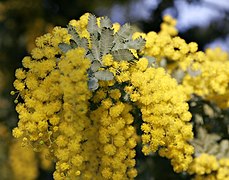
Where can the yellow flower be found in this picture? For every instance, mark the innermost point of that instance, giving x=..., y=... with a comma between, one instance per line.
x=109, y=149
x=204, y=164
x=193, y=47
x=116, y=27
x=107, y=60
x=142, y=64
x=19, y=85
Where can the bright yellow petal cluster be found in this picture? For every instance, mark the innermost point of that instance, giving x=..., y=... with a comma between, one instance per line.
x=201, y=73
x=116, y=137
x=204, y=164
x=74, y=120
x=209, y=167
x=51, y=78
x=92, y=135
x=164, y=113
x=81, y=26
x=209, y=78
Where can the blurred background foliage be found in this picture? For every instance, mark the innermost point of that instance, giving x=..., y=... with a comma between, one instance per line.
x=21, y=21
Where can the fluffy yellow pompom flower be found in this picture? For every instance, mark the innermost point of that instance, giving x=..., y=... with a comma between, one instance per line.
x=208, y=166
x=165, y=114
x=84, y=95
x=204, y=164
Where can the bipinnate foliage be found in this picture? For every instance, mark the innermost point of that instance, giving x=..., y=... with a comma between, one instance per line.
x=210, y=143
x=103, y=40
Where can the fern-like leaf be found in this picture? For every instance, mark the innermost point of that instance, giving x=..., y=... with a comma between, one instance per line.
x=64, y=47
x=105, y=22
x=95, y=66
x=95, y=49
x=84, y=43
x=137, y=44
x=122, y=54
x=205, y=143
x=93, y=84
x=106, y=41
x=104, y=75
x=73, y=44
x=118, y=44
x=125, y=31
x=74, y=34
x=92, y=26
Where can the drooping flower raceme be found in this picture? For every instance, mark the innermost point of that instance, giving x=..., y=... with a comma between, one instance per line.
x=164, y=114
x=79, y=92
x=201, y=73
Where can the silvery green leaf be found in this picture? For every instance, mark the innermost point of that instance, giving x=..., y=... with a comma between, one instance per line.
x=118, y=45
x=123, y=37
x=92, y=26
x=95, y=66
x=64, y=47
x=105, y=22
x=122, y=54
x=73, y=44
x=208, y=110
x=205, y=143
x=124, y=34
x=141, y=43
x=137, y=44
x=125, y=31
x=106, y=41
x=104, y=75
x=224, y=145
x=95, y=49
x=213, y=149
x=223, y=150
x=93, y=84
x=179, y=75
x=90, y=56
x=74, y=34
x=84, y=43
x=163, y=63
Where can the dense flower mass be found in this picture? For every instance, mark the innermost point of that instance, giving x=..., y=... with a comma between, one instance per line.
x=209, y=167
x=90, y=93
x=164, y=113
x=201, y=73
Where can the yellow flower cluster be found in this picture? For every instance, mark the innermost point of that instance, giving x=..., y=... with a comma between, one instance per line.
x=119, y=69
x=45, y=160
x=38, y=85
x=166, y=44
x=205, y=73
x=210, y=77
x=92, y=135
x=116, y=137
x=81, y=26
x=204, y=164
x=209, y=167
x=116, y=134
x=164, y=113
x=48, y=79
x=73, y=119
